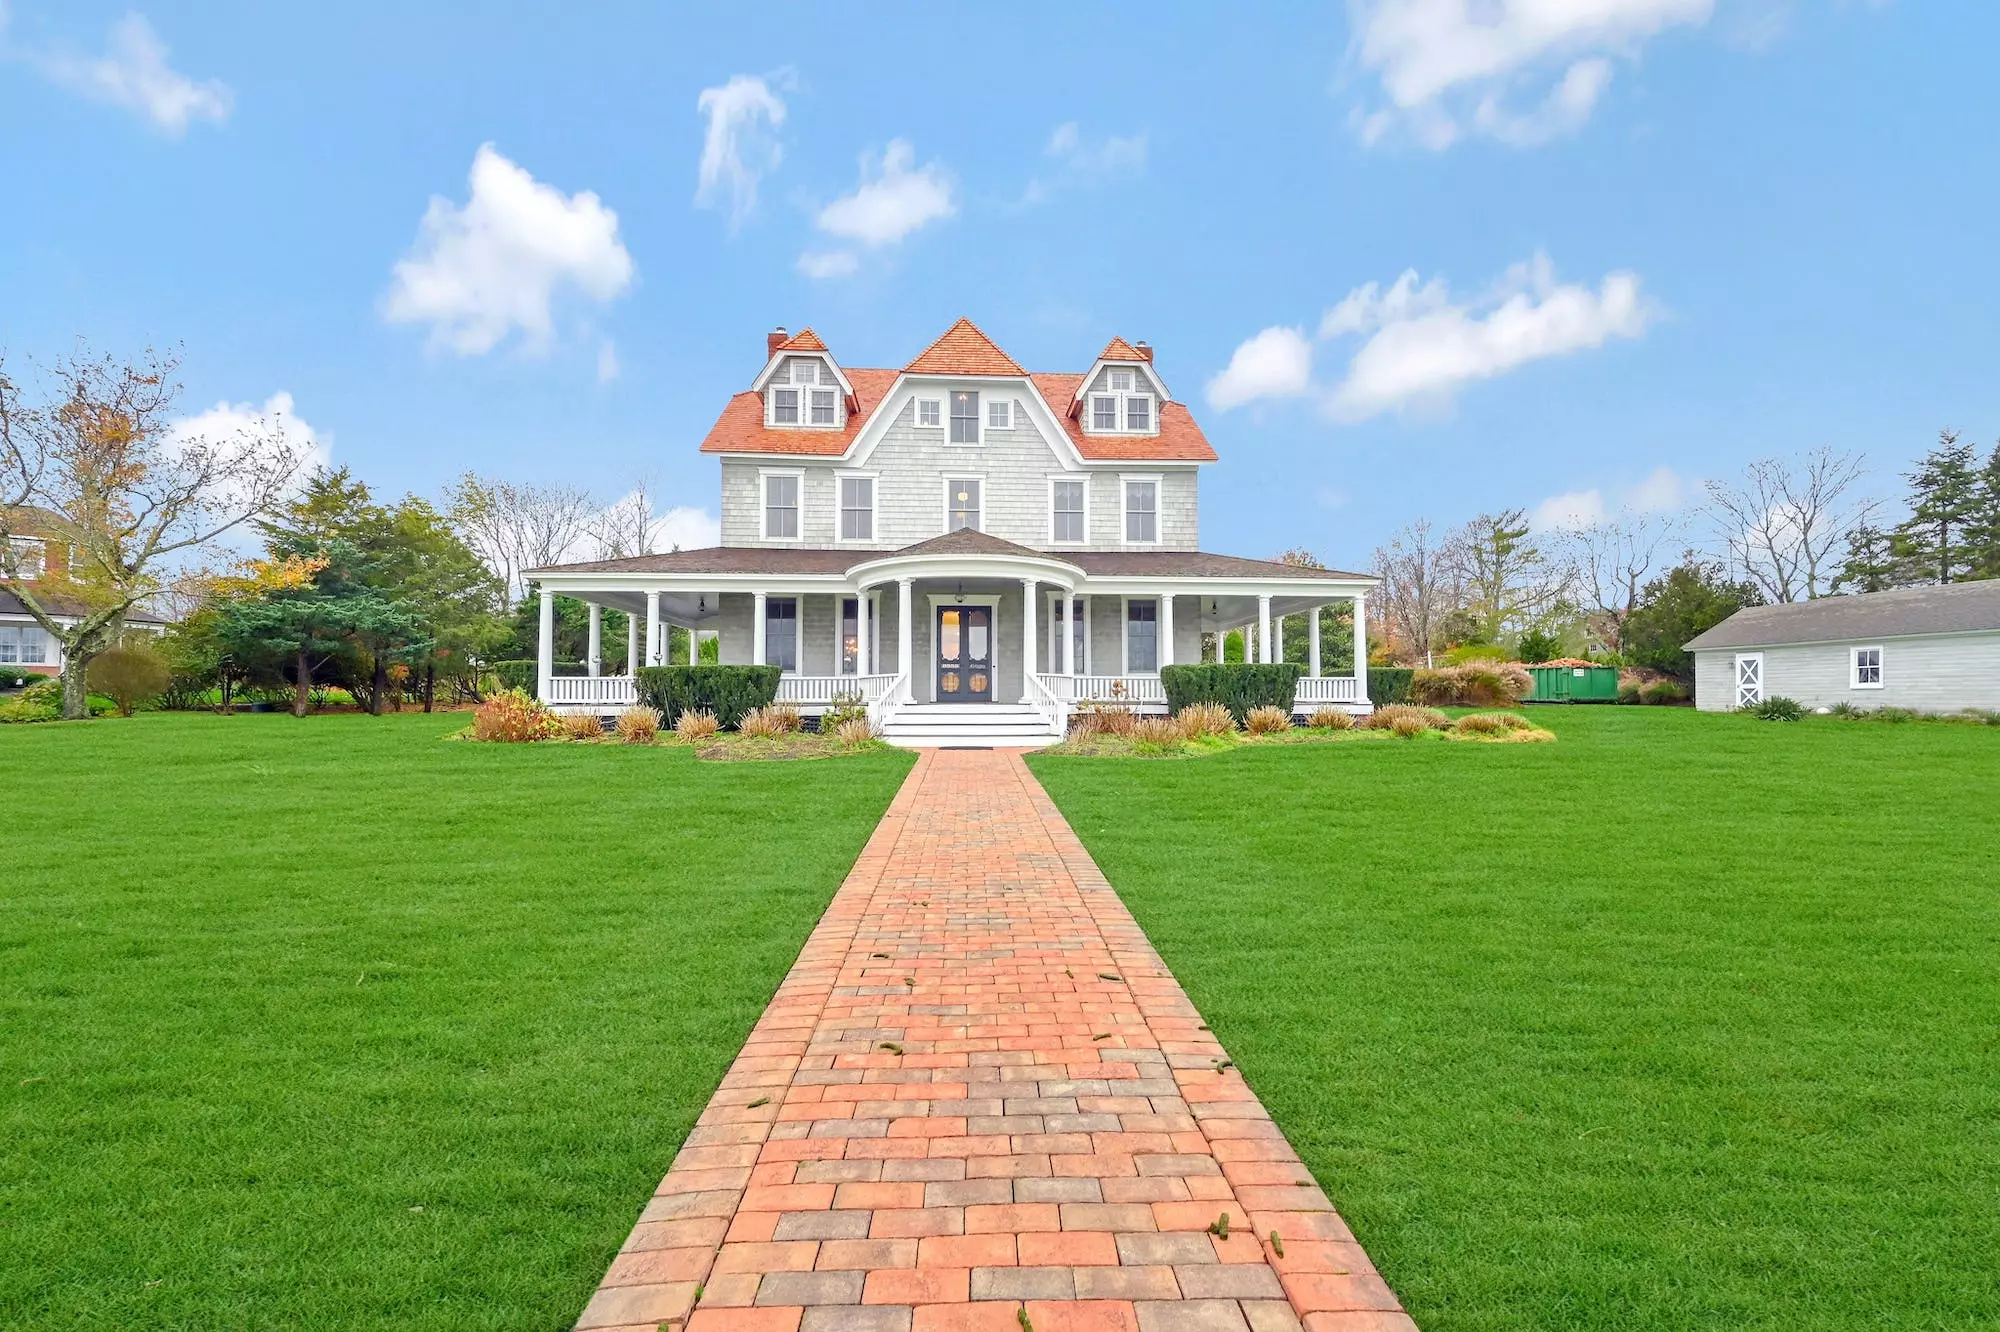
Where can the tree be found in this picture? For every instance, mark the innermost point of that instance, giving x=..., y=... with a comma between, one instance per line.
x=1421, y=581
x=1945, y=512
x=1509, y=583
x=1984, y=535
x=1336, y=624
x=1784, y=522
x=1872, y=564
x=131, y=496
x=1687, y=600
x=1612, y=560
x=517, y=528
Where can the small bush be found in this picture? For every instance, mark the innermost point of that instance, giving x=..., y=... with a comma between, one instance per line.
x=580, y=726
x=1628, y=693
x=786, y=718
x=845, y=707
x=1101, y=720
x=639, y=725
x=1267, y=721
x=1331, y=719
x=694, y=726
x=1477, y=683
x=1513, y=721
x=855, y=732
x=763, y=723
x=1237, y=687
x=1892, y=715
x=1777, y=708
x=1537, y=646
x=1409, y=728
x=129, y=674
x=1389, y=684
x=1663, y=693
x=1205, y=719
x=1385, y=719
x=1846, y=711
x=1159, y=732
x=511, y=717
x=727, y=691
x=1481, y=723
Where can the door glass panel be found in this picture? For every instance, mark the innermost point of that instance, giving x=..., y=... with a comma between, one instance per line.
x=976, y=634
x=948, y=636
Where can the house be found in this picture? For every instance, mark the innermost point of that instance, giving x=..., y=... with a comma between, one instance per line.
x=1930, y=649
x=42, y=553
x=971, y=549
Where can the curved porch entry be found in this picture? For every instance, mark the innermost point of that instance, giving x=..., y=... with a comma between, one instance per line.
x=965, y=662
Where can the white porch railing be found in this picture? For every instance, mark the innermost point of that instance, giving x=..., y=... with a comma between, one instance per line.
x=1045, y=700
x=612, y=691
x=823, y=689
x=1317, y=689
x=1137, y=691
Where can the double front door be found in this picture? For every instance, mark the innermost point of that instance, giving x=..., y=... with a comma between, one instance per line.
x=965, y=654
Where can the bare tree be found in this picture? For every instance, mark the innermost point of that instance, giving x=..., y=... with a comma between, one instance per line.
x=1510, y=582
x=1613, y=559
x=1422, y=582
x=1783, y=525
x=628, y=526
x=100, y=463
x=518, y=528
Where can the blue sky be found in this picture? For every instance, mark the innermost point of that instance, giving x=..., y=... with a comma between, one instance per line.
x=1644, y=234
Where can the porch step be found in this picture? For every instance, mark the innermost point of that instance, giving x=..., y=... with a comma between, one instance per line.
x=967, y=725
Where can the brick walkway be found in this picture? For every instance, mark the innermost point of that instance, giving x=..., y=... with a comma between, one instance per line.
x=978, y=1096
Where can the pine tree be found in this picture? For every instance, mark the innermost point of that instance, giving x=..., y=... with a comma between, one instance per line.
x=1871, y=565
x=1945, y=505
x=1983, y=535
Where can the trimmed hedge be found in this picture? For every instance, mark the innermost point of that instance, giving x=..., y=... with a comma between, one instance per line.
x=1236, y=686
x=1389, y=684
x=727, y=691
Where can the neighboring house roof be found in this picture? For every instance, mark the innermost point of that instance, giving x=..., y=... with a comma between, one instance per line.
x=33, y=520
x=962, y=350
x=1947, y=609
x=66, y=607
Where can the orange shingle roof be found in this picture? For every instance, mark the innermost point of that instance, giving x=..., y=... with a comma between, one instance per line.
x=1120, y=350
x=803, y=340
x=741, y=428
x=1179, y=440
x=963, y=350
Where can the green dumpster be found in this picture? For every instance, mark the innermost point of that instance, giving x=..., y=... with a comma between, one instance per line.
x=1574, y=684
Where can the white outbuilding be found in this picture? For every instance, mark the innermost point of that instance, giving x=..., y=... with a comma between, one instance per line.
x=1930, y=649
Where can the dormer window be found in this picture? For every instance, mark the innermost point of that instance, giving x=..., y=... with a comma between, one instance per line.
x=825, y=411
x=28, y=555
x=1103, y=412
x=1138, y=412
x=1123, y=403
x=785, y=406
x=804, y=392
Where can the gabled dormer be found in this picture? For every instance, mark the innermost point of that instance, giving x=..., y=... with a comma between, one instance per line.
x=1122, y=393
x=802, y=386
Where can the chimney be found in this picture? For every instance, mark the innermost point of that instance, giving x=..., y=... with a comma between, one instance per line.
x=1145, y=349
x=774, y=340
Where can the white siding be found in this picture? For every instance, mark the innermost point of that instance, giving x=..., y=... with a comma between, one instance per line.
x=1939, y=674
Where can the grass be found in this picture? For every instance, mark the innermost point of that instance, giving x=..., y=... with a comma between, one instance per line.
x=1685, y=1022
x=329, y=1024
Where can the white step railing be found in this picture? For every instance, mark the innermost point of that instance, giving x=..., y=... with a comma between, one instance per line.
x=1047, y=702
x=1131, y=690
x=611, y=691
x=1317, y=689
x=890, y=693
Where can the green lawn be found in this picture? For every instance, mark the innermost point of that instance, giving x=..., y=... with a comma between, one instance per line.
x=1686, y=1021
x=333, y=1024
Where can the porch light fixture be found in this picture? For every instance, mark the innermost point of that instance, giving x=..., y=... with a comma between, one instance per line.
x=959, y=597
x=703, y=608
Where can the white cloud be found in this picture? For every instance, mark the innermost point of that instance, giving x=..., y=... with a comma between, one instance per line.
x=1661, y=491
x=740, y=147
x=1572, y=509
x=1075, y=160
x=607, y=362
x=894, y=199
x=1277, y=363
x=828, y=263
x=1446, y=66
x=133, y=73
x=687, y=528
x=1421, y=347
x=227, y=422
x=478, y=272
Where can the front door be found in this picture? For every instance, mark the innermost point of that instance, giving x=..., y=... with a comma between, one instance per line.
x=965, y=654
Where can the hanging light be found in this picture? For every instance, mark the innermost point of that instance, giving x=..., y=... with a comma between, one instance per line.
x=704, y=603
x=960, y=596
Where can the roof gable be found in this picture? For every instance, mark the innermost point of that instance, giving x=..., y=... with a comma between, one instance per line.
x=963, y=350
x=1120, y=350
x=803, y=340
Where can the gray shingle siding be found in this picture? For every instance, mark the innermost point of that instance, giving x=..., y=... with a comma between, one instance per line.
x=1943, y=673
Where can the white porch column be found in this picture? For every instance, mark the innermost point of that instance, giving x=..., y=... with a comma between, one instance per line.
x=1027, y=638
x=631, y=643
x=757, y=628
x=905, y=658
x=694, y=646
x=1360, y=649
x=1166, y=654
x=653, y=627
x=1066, y=631
x=864, y=660
x=596, y=662
x=545, y=645
x=1264, y=629
x=1278, y=639
x=1312, y=642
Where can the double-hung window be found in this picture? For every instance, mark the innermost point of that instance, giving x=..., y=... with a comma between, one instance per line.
x=857, y=508
x=1142, y=512
x=825, y=407
x=1000, y=414
x=1142, y=637
x=964, y=417
x=26, y=644
x=1066, y=518
x=781, y=632
x=785, y=406
x=1138, y=412
x=1867, y=668
x=1123, y=403
x=781, y=506
x=961, y=503
x=1103, y=411
x=930, y=413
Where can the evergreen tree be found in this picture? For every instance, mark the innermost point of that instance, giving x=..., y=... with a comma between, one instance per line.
x=1983, y=534
x=1687, y=600
x=1945, y=510
x=1872, y=564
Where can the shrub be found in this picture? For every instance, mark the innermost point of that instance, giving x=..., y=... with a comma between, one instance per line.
x=1846, y=711
x=762, y=723
x=845, y=707
x=1480, y=723
x=129, y=674
x=1893, y=715
x=1662, y=693
x=1777, y=708
x=580, y=726
x=1389, y=684
x=1628, y=693
x=1331, y=719
x=727, y=691
x=1267, y=721
x=786, y=718
x=694, y=726
x=1238, y=687
x=855, y=731
x=1409, y=728
x=1385, y=719
x=1159, y=732
x=1204, y=719
x=511, y=717
x=1102, y=720
x=639, y=725
x=1479, y=683
x=1537, y=646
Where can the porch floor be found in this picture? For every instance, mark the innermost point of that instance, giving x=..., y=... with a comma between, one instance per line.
x=980, y=1093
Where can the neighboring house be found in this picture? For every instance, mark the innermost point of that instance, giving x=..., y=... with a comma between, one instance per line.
x=43, y=553
x=971, y=548
x=1932, y=649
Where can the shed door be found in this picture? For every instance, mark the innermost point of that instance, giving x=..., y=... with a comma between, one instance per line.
x=1749, y=679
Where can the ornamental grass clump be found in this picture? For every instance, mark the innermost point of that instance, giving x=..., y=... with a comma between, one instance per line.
x=1385, y=719
x=1480, y=682
x=513, y=718
x=1200, y=720
x=762, y=723
x=639, y=725
x=1409, y=728
x=1266, y=721
x=1662, y=693
x=1102, y=720
x=694, y=726
x=580, y=726
x=855, y=732
x=1331, y=719
x=1159, y=733
x=1481, y=723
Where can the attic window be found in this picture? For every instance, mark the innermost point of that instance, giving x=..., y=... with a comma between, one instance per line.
x=1121, y=381
x=1103, y=412
x=1123, y=404
x=824, y=409
x=805, y=372
x=930, y=413
x=785, y=406
x=1139, y=412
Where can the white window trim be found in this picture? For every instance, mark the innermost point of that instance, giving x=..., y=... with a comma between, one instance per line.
x=874, y=507
x=1125, y=413
x=1142, y=387
x=1090, y=414
x=1736, y=678
x=1083, y=614
x=1854, y=665
x=917, y=412
x=1006, y=405
x=1125, y=634
x=978, y=419
x=938, y=601
x=1080, y=478
x=764, y=475
x=798, y=627
x=874, y=600
x=825, y=378
x=1126, y=479
x=944, y=494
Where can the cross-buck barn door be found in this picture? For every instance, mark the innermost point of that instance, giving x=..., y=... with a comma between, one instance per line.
x=1749, y=679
